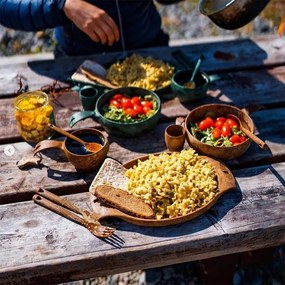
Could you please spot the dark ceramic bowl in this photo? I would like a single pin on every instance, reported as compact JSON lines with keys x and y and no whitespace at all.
{"x":118,"y":128}
{"x":224,"y":153}
{"x":184,"y":94}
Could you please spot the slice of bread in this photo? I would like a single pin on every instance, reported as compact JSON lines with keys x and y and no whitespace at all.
{"x":123,"y":201}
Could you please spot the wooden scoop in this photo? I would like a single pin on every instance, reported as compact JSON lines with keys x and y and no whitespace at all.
{"x":252,"y":136}
{"x":89,"y":146}
{"x":97,"y":78}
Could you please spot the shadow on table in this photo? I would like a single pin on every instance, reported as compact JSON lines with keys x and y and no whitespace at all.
{"x":204,"y":224}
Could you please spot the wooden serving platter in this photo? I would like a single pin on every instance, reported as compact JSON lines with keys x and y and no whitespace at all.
{"x":226,"y":182}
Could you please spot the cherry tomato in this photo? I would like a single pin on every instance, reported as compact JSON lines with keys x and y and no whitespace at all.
{"x":131,"y":112}
{"x":117,"y":97}
{"x":126,"y":103}
{"x":234,"y":139}
{"x":242,"y":139}
{"x":147,"y":104}
{"x":136,"y":100}
{"x":206,"y":123}
{"x":146,"y":109}
{"x":138,"y":109}
{"x":231,"y":122}
{"x":223,"y":119}
{"x":124,"y":99}
{"x":219,"y":124}
{"x":115,"y":103}
{"x":216,"y":133}
{"x":226,"y":130}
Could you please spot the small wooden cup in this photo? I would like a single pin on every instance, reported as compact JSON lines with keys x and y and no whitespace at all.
{"x":83,"y":160}
{"x":174,"y":137}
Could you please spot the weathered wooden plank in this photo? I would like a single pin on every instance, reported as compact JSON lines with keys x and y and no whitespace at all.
{"x":227,"y":55}
{"x":239,"y":53}
{"x":51,"y":249}
{"x":263,"y":88}
{"x":57,"y":173}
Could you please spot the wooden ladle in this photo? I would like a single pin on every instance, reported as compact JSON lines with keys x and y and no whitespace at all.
{"x":89,"y":146}
{"x":252,"y":136}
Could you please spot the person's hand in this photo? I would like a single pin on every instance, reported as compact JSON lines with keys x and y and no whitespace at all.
{"x":93,"y":21}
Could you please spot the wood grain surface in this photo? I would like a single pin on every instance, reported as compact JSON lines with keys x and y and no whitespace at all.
{"x":41,"y":247}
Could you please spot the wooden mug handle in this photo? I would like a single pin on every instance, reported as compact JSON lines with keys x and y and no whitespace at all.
{"x":48,"y":144}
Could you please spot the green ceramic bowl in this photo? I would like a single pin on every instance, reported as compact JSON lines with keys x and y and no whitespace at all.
{"x":202,"y":81}
{"x":118,"y":128}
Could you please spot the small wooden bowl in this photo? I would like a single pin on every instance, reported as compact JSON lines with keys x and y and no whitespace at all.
{"x":224,"y":153}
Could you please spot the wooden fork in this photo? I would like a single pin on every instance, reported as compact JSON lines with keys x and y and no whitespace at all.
{"x":66,"y":209}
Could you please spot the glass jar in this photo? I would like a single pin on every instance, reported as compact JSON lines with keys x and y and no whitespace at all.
{"x":33,"y":113}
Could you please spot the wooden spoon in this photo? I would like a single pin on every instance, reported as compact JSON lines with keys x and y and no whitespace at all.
{"x":191,"y":83}
{"x":97,"y":78}
{"x":253,"y":137}
{"x":89,"y":146}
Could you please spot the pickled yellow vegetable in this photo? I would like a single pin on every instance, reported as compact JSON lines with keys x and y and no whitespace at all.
{"x":33,"y":113}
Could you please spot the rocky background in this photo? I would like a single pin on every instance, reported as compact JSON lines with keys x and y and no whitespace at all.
{"x":182,"y":21}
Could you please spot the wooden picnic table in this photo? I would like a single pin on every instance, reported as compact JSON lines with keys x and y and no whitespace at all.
{"x":40,"y":247}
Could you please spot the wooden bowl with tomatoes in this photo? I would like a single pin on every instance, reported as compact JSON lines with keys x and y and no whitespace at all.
{"x":211,"y":131}
{"x":125,"y":111}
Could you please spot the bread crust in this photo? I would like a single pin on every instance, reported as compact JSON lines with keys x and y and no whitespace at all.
{"x":123,"y":201}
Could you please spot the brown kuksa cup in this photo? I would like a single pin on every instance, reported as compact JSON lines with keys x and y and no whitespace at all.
{"x":75,"y":152}
{"x":174,"y":136}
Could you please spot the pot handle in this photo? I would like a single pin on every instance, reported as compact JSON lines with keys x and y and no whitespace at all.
{"x":183,"y":60}
{"x":222,"y":76}
{"x":76,"y":117}
{"x":48,"y":144}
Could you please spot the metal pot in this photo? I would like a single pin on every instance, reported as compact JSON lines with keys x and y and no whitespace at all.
{"x":232,"y":14}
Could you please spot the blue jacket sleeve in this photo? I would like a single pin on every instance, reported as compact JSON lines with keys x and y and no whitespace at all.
{"x":168,"y":2}
{"x":32,"y":15}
